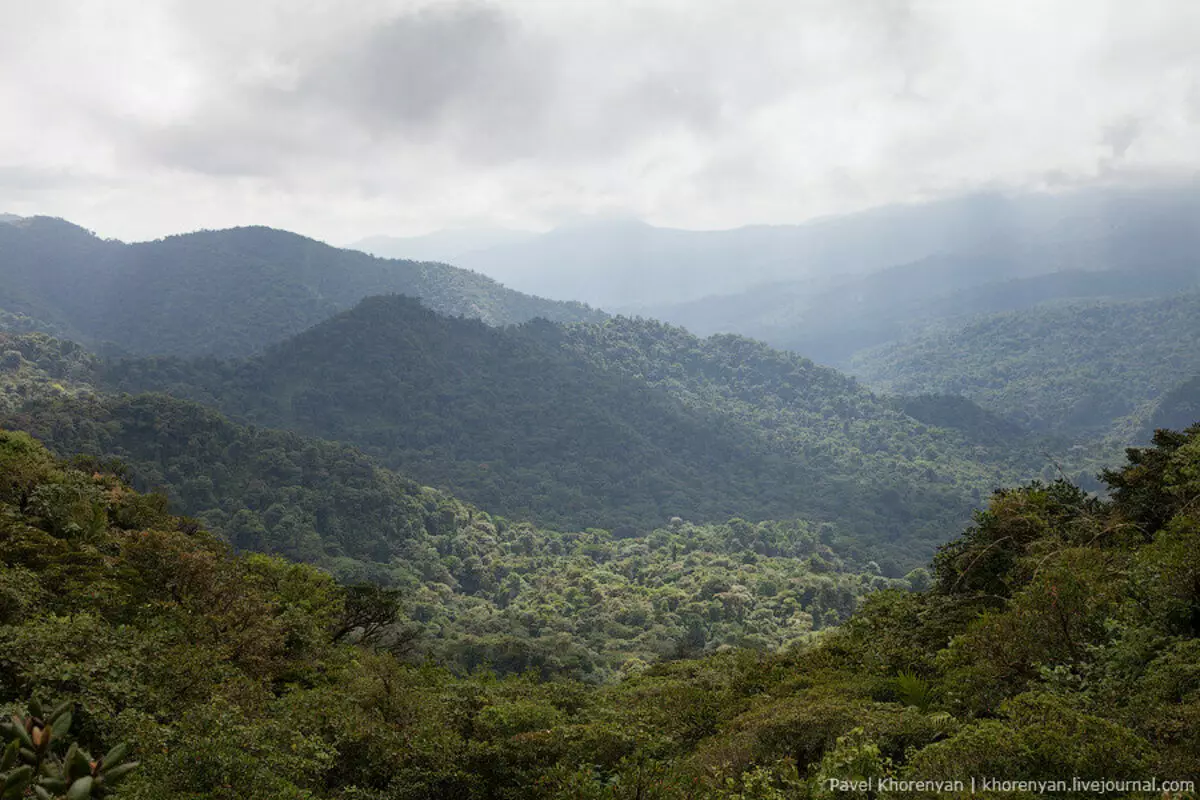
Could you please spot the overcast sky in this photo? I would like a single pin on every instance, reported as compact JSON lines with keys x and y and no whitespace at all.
{"x":139,"y":118}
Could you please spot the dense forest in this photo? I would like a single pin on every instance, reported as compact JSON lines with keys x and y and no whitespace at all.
{"x":1058,"y":638}
{"x":436,"y":547}
{"x":478,"y":588}
{"x":1074,"y":367}
{"x":224,"y":293}
{"x":621,"y":423}
{"x":1177,"y":409}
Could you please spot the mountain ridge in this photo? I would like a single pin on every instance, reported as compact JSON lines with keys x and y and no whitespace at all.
{"x":607,"y":425}
{"x":228,"y":292}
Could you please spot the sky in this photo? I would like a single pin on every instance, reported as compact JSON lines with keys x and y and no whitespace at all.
{"x":142,"y":118}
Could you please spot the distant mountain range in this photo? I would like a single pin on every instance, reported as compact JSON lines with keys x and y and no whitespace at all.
{"x":629,"y":266}
{"x":449,"y":246}
{"x":832,"y":324}
{"x":222,"y":293}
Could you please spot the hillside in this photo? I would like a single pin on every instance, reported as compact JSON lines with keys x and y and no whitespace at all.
{"x":226,"y":293}
{"x":1178,"y":409}
{"x":1059,"y":638}
{"x":480,"y":588}
{"x":831,"y":324}
{"x":35,"y":366}
{"x":1072,"y":368}
{"x":477,"y":588}
{"x":627,"y":423}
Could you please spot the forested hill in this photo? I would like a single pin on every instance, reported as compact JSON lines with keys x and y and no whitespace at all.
{"x":627,"y":423}
{"x":1059,"y":638}
{"x":226,"y":293}
{"x":478,"y":588}
{"x":1074,"y":367}
{"x":1178,"y":408}
{"x":830,"y":324}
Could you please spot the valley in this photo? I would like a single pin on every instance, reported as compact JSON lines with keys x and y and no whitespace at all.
{"x":523,"y":525}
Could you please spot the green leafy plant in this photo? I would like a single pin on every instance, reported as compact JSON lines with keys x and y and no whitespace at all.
{"x":913,"y":691}
{"x":30,"y":762}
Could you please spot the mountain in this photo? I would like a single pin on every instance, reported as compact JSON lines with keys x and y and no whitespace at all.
{"x":632,"y":267}
{"x":1073,"y":368}
{"x":446,"y":246}
{"x":830,"y":323}
{"x":626,"y":264}
{"x":225,"y":292}
{"x":478,"y":588}
{"x":625,"y":423}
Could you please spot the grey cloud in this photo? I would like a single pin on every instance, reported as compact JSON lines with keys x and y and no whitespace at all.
{"x":463,"y":72}
{"x":417,"y":70}
{"x":1121,"y":135}
{"x":17,"y":179}
{"x":468,"y":77}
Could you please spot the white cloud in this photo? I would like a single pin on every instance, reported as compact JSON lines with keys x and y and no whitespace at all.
{"x":345,"y":119}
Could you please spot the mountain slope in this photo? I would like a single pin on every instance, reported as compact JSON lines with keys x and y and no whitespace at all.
{"x":625,"y":423}
{"x":1060,"y":637}
{"x":478,"y":588}
{"x":1069,"y":368}
{"x":832,"y":323}
{"x":225,"y":292}
{"x":1178,"y":409}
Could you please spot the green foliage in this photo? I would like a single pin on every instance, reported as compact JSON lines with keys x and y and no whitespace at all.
{"x":1074,"y":368}
{"x":913,"y":691}
{"x":622,"y":424}
{"x":36,"y":366}
{"x":39,"y":762}
{"x":1059,"y":638}
{"x":226,"y":293}
{"x":1177,"y":409}
{"x":467,"y":588}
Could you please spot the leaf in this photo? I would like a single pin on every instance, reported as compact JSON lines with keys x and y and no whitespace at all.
{"x":913,"y":690}
{"x":77,"y":764}
{"x":62,"y":723}
{"x":19,"y":730}
{"x":19,"y":777}
{"x":115,"y":756}
{"x":115,"y":775}
{"x":60,"y":709}
{"x":10,"y":755}
{"x":81,"y":789}
{"x":54,"y":785}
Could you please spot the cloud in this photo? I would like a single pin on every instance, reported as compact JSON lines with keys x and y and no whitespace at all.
{"x":400,"y":116}
{"x":1121,"y":135}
